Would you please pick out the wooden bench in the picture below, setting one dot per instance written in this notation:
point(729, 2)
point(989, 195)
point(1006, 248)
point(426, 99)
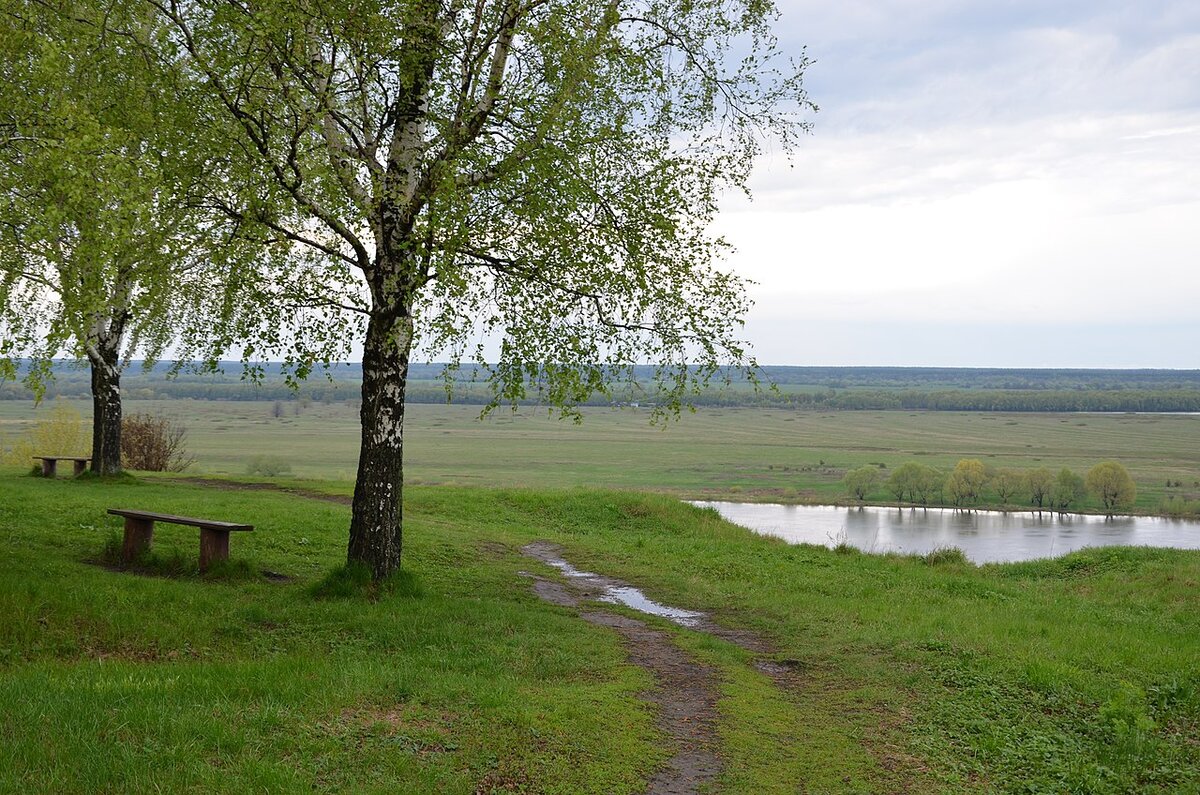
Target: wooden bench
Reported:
point(139, 531)
point(50, 463)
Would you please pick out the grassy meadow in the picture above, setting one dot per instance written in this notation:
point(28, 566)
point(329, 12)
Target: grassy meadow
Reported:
point(732, 453)
point(1080, 674)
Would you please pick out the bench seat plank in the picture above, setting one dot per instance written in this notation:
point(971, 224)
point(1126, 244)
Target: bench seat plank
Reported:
point(150, 516)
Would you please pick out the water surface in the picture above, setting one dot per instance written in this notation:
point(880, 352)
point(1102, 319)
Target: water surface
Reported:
point(984, 536)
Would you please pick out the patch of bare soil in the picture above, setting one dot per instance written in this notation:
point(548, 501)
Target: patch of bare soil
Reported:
point(229, 485)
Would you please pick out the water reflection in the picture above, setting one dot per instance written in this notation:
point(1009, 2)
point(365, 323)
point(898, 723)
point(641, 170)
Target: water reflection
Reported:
point(984, 536)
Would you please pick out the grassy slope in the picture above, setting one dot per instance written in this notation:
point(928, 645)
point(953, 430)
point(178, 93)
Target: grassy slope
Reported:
point(1078, 674)
point(714, 453)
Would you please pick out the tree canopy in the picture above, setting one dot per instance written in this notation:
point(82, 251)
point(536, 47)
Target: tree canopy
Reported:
point(1110, 483)
point(104, 249)
point(533, 175)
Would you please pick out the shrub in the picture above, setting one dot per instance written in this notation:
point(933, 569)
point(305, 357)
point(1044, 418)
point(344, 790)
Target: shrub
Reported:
point(153, 444)
point(60, 431)
point(943, 556)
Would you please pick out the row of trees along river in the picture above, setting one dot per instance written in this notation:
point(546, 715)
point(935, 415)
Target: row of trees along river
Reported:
point(970, 483)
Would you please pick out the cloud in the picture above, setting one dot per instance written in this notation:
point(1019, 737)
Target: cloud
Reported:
point(987, 176)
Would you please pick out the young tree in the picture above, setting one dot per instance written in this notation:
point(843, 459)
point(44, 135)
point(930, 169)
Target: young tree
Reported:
point(1110, 483)
point(1068, 489)
point(1007, 484)
point(1038, 485)
point(859, 482)
point(903, 480)
point(966, 481)
point(103, 252)
point(537, 174)
point(928, 484)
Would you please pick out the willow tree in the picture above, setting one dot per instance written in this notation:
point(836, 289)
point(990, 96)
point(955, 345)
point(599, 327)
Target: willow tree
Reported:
point(525, 184)
point(104, 250)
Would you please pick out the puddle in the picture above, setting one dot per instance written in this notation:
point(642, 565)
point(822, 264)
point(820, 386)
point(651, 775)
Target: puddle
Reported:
point(613, 592)
point(633, 598)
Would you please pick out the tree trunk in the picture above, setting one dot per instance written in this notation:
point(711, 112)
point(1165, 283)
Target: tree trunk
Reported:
point(376, 526)
point(106, 413)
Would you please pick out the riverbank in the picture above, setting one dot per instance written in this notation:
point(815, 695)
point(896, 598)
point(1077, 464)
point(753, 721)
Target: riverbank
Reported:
point(1077, 673)
point(979, 536)
point(785, 497)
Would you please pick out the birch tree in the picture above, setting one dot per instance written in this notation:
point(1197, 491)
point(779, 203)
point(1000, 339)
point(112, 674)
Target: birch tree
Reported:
point(533, 175)
point(104, 252)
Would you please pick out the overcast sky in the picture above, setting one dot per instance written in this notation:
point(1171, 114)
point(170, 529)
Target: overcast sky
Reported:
point(1008, 184)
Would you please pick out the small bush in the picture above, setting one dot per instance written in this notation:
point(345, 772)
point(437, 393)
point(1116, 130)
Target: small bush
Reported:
point(153, 444)
point(268, 466)
point(1179, 508)
point(944, 556)
point(60, 431)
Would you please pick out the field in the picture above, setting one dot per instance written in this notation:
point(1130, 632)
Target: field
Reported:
point(891, 673)
point(738, 453)
point(905, 674)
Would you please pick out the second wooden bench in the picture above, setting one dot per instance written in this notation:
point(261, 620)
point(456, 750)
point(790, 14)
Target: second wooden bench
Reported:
point(50, 463)
point(139, 532)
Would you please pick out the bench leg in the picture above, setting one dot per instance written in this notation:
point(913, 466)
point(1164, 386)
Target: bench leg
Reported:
point(49, 467)
point(138, 534)
point(214, 546)
point(80, 466)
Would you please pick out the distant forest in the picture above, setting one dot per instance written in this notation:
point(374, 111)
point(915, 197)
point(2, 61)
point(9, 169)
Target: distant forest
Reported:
point(825, 388)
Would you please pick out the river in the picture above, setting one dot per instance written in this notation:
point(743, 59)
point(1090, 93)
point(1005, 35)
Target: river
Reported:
point(984, 536)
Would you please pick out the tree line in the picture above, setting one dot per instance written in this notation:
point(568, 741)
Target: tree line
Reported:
point(426, 385)
point(968, 483)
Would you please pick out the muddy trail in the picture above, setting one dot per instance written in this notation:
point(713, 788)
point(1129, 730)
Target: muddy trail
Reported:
point(685, 694)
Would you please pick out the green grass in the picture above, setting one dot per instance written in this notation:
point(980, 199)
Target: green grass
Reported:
point(715, 453)
point(1078, 674)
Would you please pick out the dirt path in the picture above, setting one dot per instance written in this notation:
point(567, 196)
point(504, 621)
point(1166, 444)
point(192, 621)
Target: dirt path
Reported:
point(684, 696)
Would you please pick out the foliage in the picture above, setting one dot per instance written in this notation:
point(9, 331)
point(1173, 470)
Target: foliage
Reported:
point(1068, 489)
point(1007, 484)
point(1180, 508)
point(1039, 485)
point(104, 241)
point(1110, 483)
point(430, 176)
point(154, 444)
point(106, 250)
point(946, 556)
point(859, 482)
point(965, 482)
point(902, 482)
point(59, 432)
